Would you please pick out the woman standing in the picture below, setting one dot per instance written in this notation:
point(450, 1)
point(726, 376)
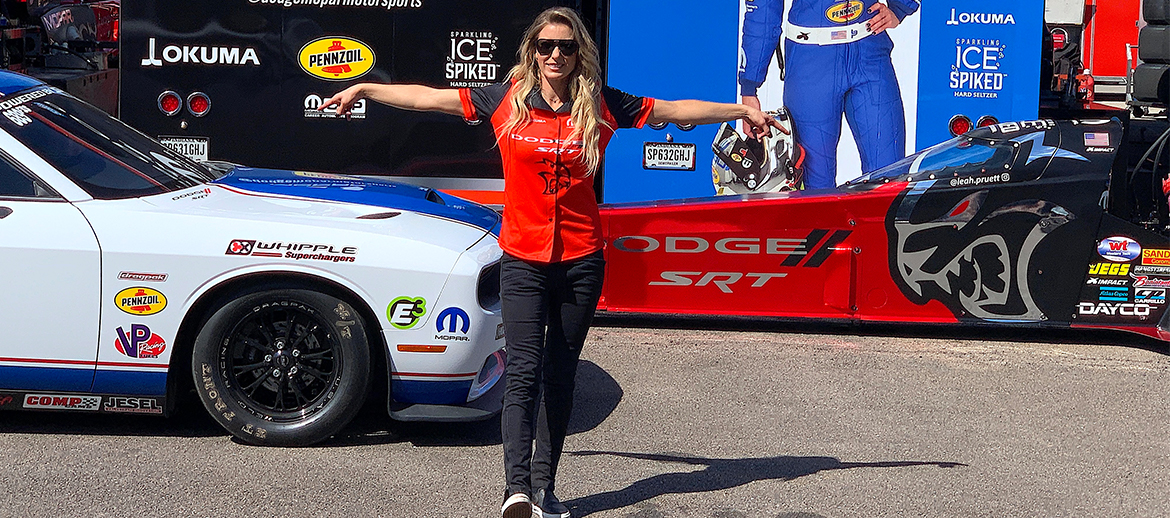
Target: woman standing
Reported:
point(552, 120)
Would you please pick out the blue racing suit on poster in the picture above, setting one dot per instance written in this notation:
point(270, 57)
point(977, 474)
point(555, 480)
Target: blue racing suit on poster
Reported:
point(832, 65)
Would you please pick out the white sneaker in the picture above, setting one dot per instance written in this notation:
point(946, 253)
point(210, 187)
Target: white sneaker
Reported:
point(517, 506)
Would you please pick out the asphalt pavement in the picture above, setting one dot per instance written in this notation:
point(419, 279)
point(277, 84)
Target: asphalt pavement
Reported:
point(694, 419)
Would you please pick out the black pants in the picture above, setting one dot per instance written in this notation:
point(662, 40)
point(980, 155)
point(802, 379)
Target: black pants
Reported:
point(563, 297)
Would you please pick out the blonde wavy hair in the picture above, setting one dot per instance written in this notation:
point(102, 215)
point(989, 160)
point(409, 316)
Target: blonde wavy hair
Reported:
point(584, 84)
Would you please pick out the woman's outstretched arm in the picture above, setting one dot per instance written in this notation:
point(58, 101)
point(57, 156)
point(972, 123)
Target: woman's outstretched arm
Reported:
point(704, 112)
point(406, 97)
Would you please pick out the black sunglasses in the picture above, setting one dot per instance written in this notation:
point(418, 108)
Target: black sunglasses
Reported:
point(568, 47)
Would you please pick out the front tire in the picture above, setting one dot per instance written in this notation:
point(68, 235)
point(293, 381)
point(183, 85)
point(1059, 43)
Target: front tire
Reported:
point(282, 367)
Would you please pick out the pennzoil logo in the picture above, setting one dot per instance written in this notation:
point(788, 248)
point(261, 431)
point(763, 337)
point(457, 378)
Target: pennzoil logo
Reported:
point(845, 11)
point(336, 58)
point(140, 300)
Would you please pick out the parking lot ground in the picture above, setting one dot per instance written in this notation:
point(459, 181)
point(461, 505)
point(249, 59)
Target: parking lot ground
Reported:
point(685, 419)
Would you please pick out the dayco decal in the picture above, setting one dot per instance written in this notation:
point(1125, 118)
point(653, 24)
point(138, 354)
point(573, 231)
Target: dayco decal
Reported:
point(336, 58)
point(405, 312)
point(1106, 308)
point(1119, 248)
point(140, 300)
point(456, 321)
point(132, 405)
point(844, 11)
point(297, 251)
point(139, 342)
point(1156, 257)
point(795, 249)
point(201, 55)
point(145, 277)
point(62, 402)
point(1119, 269)
point(981, 18)
point(1142, 281)
point(313, 102)
point(471, 62)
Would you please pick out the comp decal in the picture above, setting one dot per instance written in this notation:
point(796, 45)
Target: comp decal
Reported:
point(336, 58)
point(1119, 249)
point(139, 342)
point(140, 300)
point(62, 402)
point(406, 312)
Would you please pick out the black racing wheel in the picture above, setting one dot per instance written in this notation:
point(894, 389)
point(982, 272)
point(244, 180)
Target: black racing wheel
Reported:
point(282, 367)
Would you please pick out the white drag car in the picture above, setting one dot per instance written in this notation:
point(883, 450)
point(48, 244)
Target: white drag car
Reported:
point(130, 272)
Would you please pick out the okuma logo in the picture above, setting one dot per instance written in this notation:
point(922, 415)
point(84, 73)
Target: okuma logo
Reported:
point(981, 18)
point(200, 55)
point(405, 312)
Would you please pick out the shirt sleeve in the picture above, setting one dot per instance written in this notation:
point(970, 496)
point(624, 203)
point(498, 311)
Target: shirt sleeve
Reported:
point(629, 111)
point(480, 103)
point(763, 21)
point(903, 8)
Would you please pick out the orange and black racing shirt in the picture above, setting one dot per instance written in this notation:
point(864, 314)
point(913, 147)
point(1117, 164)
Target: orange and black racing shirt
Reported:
point(550, 210)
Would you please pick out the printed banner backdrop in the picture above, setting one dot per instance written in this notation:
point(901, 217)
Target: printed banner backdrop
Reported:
point(905, 57)
point(978, 59)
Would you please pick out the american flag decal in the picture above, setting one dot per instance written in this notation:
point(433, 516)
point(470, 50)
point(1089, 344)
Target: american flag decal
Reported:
point(1096, 139)
point(838, 35)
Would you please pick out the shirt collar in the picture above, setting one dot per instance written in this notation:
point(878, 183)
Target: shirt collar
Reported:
point(535, 100)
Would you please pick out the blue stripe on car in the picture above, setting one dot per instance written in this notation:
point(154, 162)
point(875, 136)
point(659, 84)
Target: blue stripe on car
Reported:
point(46, 378)
point(362, 190)
point(430, 392)
point(134, 383)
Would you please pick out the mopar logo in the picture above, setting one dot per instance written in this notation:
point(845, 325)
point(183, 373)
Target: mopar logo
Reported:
point(453, 318)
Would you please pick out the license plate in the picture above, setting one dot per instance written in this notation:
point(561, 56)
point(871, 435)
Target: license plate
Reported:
point(194, 148)
point(668, 155)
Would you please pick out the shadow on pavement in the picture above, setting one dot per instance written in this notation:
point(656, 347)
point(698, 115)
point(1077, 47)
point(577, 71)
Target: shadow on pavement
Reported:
point(1002, 332)
point(719, 474)
point(596, 397)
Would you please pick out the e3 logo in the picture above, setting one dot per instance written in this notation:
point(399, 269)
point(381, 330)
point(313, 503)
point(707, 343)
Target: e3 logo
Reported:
point(405, 312)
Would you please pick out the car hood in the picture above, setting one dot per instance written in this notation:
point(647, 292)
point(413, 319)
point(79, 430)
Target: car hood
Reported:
point(363, 190)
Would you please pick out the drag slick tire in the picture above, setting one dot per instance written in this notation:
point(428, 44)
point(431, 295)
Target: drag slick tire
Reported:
point(282, 367)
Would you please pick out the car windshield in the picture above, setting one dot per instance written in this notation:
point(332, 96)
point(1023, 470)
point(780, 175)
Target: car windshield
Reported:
point(958, 157)
point(105, 157)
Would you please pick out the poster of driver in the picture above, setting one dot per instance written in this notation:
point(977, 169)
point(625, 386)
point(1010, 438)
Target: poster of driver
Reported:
point(845, 70)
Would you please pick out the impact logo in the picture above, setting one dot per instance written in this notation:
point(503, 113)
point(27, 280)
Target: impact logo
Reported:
point(200, 55)
point(62, 402)
point(981, 18)
point(471, 61)
point(406, 312)
point(845, 11)
point(336, 58)
point(455, 320)
point(313, 103)
point(975, 72)
point(140, 300)
point(139, 342)
point(1119, 249)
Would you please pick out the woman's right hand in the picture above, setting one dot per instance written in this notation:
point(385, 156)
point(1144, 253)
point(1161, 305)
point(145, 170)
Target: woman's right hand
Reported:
point(343, 100)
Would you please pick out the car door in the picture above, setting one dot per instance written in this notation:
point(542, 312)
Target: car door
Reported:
point(49, 287)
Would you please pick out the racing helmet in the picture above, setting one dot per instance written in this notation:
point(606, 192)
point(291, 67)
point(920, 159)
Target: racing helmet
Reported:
point(745, 165)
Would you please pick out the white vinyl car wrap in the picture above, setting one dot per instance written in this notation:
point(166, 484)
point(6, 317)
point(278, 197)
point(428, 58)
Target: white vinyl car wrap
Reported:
point(133, 274)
